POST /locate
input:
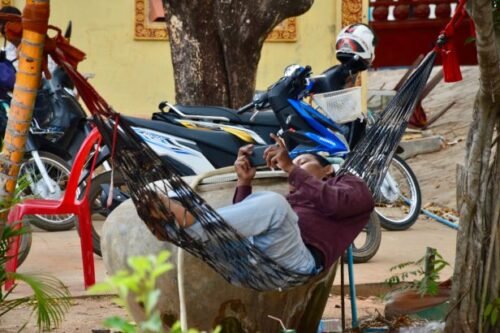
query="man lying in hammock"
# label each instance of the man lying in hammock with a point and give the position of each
(308, 230)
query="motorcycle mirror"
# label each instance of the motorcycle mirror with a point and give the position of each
(290, 69)
(258, 95)
(162, 105)
(356, 64)
(69, 30)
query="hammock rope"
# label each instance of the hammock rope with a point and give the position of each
(372, 155)
(234, 257)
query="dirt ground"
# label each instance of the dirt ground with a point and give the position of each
(87, 313)
(435, 172)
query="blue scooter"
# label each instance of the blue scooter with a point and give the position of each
(399, 201)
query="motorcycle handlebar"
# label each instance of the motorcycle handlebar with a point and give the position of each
(301, 74)
(162, 105)
(296, 81)
(246, 108)
(259, 103)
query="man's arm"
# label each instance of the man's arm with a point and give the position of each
(245, 173)
(342, 196)
(241, 193)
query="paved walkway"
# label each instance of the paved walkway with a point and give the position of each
(58, 254)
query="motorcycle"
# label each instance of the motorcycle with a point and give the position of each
(399, 202)
(58, 128)
(193, 149)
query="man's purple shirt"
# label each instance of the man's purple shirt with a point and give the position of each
(331, 212)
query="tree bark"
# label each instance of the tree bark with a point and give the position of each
(35, 20)
(476, 281)
(216, 46)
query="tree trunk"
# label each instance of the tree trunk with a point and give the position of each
(35, 20)
(476, 281)
(216, 46)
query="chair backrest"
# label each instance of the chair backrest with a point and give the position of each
(92, 141)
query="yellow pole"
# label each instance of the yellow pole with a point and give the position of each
(35, 21)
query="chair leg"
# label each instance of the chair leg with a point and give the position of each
(13, 251)
(84, 219)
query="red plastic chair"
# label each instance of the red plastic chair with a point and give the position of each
(68, 204)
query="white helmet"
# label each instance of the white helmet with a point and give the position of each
(356, 39)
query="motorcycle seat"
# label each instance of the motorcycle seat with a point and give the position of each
(219, 140)
(263, 118)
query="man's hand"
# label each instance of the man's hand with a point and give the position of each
(277, 156)
(243, 167)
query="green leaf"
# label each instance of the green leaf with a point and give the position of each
(139, 265)
(153, 324)
(8, 305)
(487, 310)
(101, 287)
(119, 323)
(162, 257)
(432, 288)
(393, 280)
(152, 300)
(494, 316)
(140, 282)
(162, 269)
(401, 266)
(50, 300)
(176, 328)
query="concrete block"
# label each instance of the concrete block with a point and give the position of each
(421, 146)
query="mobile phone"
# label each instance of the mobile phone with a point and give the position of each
(257, 158)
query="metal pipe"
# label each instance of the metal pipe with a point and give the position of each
(181, 290)
(342, 293)
(352, 287)
(441, 220)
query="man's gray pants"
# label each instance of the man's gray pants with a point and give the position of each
(270, 223)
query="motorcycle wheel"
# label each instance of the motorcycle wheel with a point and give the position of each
(399, 202)
(366, 245)
(97, 196)
(24, 243)
(58, 171)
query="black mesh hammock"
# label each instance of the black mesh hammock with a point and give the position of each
(226, 251)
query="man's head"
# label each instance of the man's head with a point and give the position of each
(314, 164)
(10, 10)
